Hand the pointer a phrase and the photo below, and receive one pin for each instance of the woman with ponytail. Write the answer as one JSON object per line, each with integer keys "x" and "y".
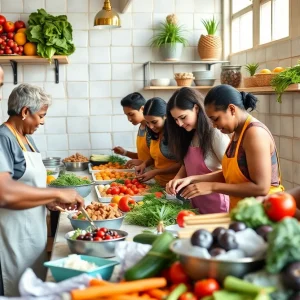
{"x": 250, "y": 166}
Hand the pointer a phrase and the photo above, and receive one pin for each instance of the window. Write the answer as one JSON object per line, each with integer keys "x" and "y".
{"x": 271, "y": 18}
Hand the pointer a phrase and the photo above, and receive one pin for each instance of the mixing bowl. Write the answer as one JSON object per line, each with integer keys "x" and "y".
{"x": 200, "y": 268}
{"x": 76, "y": 166}
{"x": 83, "y": 190}
{"x": 108, "y": 223}
{"x": 99, "y": 249}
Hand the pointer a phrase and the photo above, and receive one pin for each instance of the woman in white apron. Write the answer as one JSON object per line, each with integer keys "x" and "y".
{"x": 23, "y": 196}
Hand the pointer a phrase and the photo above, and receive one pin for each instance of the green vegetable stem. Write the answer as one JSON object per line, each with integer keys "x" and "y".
{"x": 177, "y": 292}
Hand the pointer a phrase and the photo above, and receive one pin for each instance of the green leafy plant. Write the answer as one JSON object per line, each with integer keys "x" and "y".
{"x": 211, "y": 25}
{"x": 285, "y": 78}
{"x": 251, "y": 68}
{"x": 169, "y": 33}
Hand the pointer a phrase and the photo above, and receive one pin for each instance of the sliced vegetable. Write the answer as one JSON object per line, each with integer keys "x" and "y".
{"x": 206, "y": 287}
{"x": 177, "y": 292}
{"x": 145, "y": 238}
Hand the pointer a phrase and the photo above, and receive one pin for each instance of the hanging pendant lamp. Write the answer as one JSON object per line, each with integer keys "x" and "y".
{"x": 107, "y": 18}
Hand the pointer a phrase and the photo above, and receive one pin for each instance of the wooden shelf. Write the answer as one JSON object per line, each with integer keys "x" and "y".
{"x": 263, "y": 90}
{"x": 6, "y": 59}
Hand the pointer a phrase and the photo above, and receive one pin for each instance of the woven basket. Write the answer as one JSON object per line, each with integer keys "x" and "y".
{"x": 210, "y": 47}
{"x": 184, "y": 82}
{"x": 249, "y": 81}
{"x": 264, "y": 79}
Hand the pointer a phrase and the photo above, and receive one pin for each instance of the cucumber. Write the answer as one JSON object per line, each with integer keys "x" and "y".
{"x": 145, "y": 238}
{"x": 158, "y": 258}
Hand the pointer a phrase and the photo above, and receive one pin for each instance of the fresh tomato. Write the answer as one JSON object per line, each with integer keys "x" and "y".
{"x": 126, "y": 203}
{"x": 130, "y": 192}
{"x": 188, "y": 296}
{"x": 206, "y": 287}
{"x": 19, "y": 24}
{"x": 123, "y": 189}
{"x": 100, "y": 233}
{"x": 127, "y": 181}
{"x": 134, "y": 181}
{"x": 158, "y": 194}
{"x": 280, "y": 205}
{"x": 177, "y": 274}
{"x": 129, "y": 185}
{"x": 135, "y": 190}
{"x": 183, "y": 214}
{"x": 9, "y": 26}
{"x": 97, "y": 239}
{"x": 108, "y": 191}
{"x": 2, "y": 20}
{"x": 113, "y": 184}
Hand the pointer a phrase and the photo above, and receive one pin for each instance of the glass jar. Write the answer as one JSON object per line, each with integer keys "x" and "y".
{"x": 231, "y": 75}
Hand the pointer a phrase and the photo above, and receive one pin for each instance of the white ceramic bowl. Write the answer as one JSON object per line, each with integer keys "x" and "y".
{"x": 160, "y": 82}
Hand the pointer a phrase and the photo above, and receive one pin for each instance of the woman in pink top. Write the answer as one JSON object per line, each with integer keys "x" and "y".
{"x": 194, "y": 141}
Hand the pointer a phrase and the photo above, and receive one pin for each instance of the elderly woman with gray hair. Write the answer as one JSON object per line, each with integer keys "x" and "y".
{"x": 23, "y": 192}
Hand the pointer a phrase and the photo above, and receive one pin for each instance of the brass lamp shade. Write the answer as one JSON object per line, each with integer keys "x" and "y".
{"x": 107, "y": 17}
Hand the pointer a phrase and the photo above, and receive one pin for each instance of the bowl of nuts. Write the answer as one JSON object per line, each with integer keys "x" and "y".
{"x": 184, "y": 79}
{"x": 103, "y": 216}
{"x": 76, "y": 162}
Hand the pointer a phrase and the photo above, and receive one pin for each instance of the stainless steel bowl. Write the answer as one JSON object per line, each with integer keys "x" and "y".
{"x": 100, "y": 249}
{"x": 109, "y": 223}
{"x": 76, "y": 166}
{"x": 83, "y": 190}
{"x": 200, "y": 268}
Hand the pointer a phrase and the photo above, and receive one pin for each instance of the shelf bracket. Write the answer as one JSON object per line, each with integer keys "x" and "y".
{"x": 14, "y": 66}
{"x": 56, "y": 63}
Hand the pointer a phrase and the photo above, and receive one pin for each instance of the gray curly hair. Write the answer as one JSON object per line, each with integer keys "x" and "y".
{"x": 27, "y": 95}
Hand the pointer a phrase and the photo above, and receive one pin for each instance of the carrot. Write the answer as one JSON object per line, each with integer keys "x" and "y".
{"x": 95, "y": 292}
{"x": 157, "y": 294}
{"x": 98, "y": 282}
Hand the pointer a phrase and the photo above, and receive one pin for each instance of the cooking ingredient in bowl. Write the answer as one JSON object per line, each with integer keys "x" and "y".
{"x": 216, "y": 251}
{"x": 263, "y": 231}
{"x": 237, "y": 226}
{"x": 216, "y": 232}
{"x": 227, "y": 240}
{"x": 76, "y": 158}
{"x": 202, "y": 238}
{"x": 70, "y": 180}
{"x": 291, "y": 276}
{"x": 75, "y": 262}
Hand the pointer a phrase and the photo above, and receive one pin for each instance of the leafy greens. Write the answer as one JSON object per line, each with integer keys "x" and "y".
{"x": 53, "y": 35}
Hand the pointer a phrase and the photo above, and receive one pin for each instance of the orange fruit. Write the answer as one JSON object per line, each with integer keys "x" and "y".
{"x": 115, "y": 199}
{"x": 278, "y": 70}
{"x": 30, "y": 49}
{"x": 265, "y": 71}
{"x": 20, "y": 38}
{"x": 22, "y": 30}
{"x": 50, "y": 178}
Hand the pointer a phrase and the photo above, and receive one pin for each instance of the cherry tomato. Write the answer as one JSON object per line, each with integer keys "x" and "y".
{"x": 113, "y": 191}
{"x": 140, "y": 186}
{"x": 100, "y": 233}
{"x": 108, "y": 191}
{"x": 113, "y": 184}
{"x": 98, "y": 238}
{"x": 177, "y": 274}
{"x": 135, "y": 190}
{"x": 127, "y": 181}
{"x": 188, "y": 296}
{"x": 134, "y": 181}
{"x": 123, "y": 189}
{"x": 181, "y": 215}
{"x": 103, "y": 229}
{"x": 280, "y": 205}
{"x": 129, "y": 185}
{"x": 108, "y": 237}
{"x": 130, "y": 192}
{"x": 206, "y": 287}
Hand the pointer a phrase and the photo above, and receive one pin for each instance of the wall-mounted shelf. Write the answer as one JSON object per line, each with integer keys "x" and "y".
{"x": 147, "y": 66}
{"x": 263, "y": 90}
{"x": 15, "y": 59}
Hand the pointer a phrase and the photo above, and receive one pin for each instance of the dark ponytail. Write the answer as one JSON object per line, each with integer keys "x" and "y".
{"x": 223, "y": 95}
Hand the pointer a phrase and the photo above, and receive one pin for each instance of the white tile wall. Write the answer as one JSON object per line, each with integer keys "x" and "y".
{"x": 33, "y": 5}
{"x": 57, "y": 142}
{"x": 142, "y": 20}
{"x": 55, "y": 126}
{"x": 99, "y": 55}
{"x": 77, "y": 72}
{"x": 101, "y": 106}
{"x": 78, "y": 107}
{"x": 100, "y": 89}
{"x": 80, "y": 38}
{"x": 121, "y": 71}
{"x": 100, "y": 38}
{"x": 101, "y": 141}
{"x": 56, "y": 6}
{"x": 15, "y": 6}
{"x": 100, "y": 124}
{"x": 58, "y": 108}
{"x": 77, "y": 90}
{"x": 100, "y": 72}
{"x": 79, "y": 141}
{"x": 123, "y": 138}
{"x": 121, "y": 37}
{"x": 78, "y": 6}
{"x": 77, "y": 124}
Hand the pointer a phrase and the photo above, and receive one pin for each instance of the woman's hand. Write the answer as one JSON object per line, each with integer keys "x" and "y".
{"x": 53, "y": 206}
{"x": 140, "y": 169}
{"x": 146, "y": 176}
{"x": 172, "y": 185}
{"x": 133, "y": 163}
{"x": 119, "y": 150}
{"x": 197, "y": 189}
{"x": 69, "y": 196}
{"x": 177, "y": 185}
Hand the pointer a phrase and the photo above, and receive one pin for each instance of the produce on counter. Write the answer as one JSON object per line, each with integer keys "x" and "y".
{"x": 76, "y": 158}
{"x": 70, "y": 180}
{"x": 98, "y": 211}
{"x": 75, "y": 262}
{"x": 181, "y": 215}
{"x": 112, "y": 174}
{"x": 99, "y": 157}
{"x": 126, "y": 203}
{"x": 53, "y": 34}
{"x": 97, "y": 235}
{"x": 145, "y": 238}
{"x": 206, "y": 287}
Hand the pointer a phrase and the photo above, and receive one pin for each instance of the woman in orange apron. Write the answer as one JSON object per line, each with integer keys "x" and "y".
{"x": 250, "y": 166}
{"x": 165, "y": 167}
{"x": 133, "y": 106}
{"x": 201, "y": 146}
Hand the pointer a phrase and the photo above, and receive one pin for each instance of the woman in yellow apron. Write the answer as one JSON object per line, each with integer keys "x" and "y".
{"x": 250, "y": 166}
{"x": 133, "y": 106}
{"x": 165, "y": 167}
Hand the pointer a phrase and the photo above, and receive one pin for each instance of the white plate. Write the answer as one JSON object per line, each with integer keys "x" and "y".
{"x": 91, "y": 171}
{"x": 108, "y": 199}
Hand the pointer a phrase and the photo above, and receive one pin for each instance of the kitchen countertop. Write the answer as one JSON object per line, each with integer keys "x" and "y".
{"x": 60, "y": 246}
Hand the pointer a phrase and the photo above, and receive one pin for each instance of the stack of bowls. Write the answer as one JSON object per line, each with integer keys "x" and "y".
{"x": 204, "y": 78}
{"x": 54, "y": 164}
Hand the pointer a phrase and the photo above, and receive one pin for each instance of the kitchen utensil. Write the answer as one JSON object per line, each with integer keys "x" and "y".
{"x": 83, "y": 190}
{"x": 88, "y": 218}
{"x": 104, "y": 248}
{"x": 76, "y": 166}
{"x": 160, "y": 82}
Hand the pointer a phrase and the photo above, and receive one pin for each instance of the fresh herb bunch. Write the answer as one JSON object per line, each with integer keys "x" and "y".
{"x": 211, "y": 25}
{"x": 49, "y": 172}
{"x": 285, "y": 78}
{"x": 154, "y": 210}
{"x": 117, "y": 159}
{"x": 169, "y": 33}
{"x": 155, "y": 188}
{"x": 69, "y": 180}
{"x": 251, "y": 68}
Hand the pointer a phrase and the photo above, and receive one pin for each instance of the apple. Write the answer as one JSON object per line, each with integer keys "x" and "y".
{"x": 19, "y": 24}
{"x": 9, "y": 26}
{"x": 10, "y": 35}
{"x": 2, "y": 20}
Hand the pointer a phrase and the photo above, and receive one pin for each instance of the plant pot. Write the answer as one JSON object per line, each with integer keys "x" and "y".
{"x": 249, "y": 81}
{"x": 210, "y": 47}
{"x": 184, "y": 82}
{"x": 171, "y": 52}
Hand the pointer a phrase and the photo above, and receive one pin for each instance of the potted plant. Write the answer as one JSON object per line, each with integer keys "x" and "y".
{"x": 251, "y": 69}
{"x": 170, "y": 39}
{"x": 210, "y": 45}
